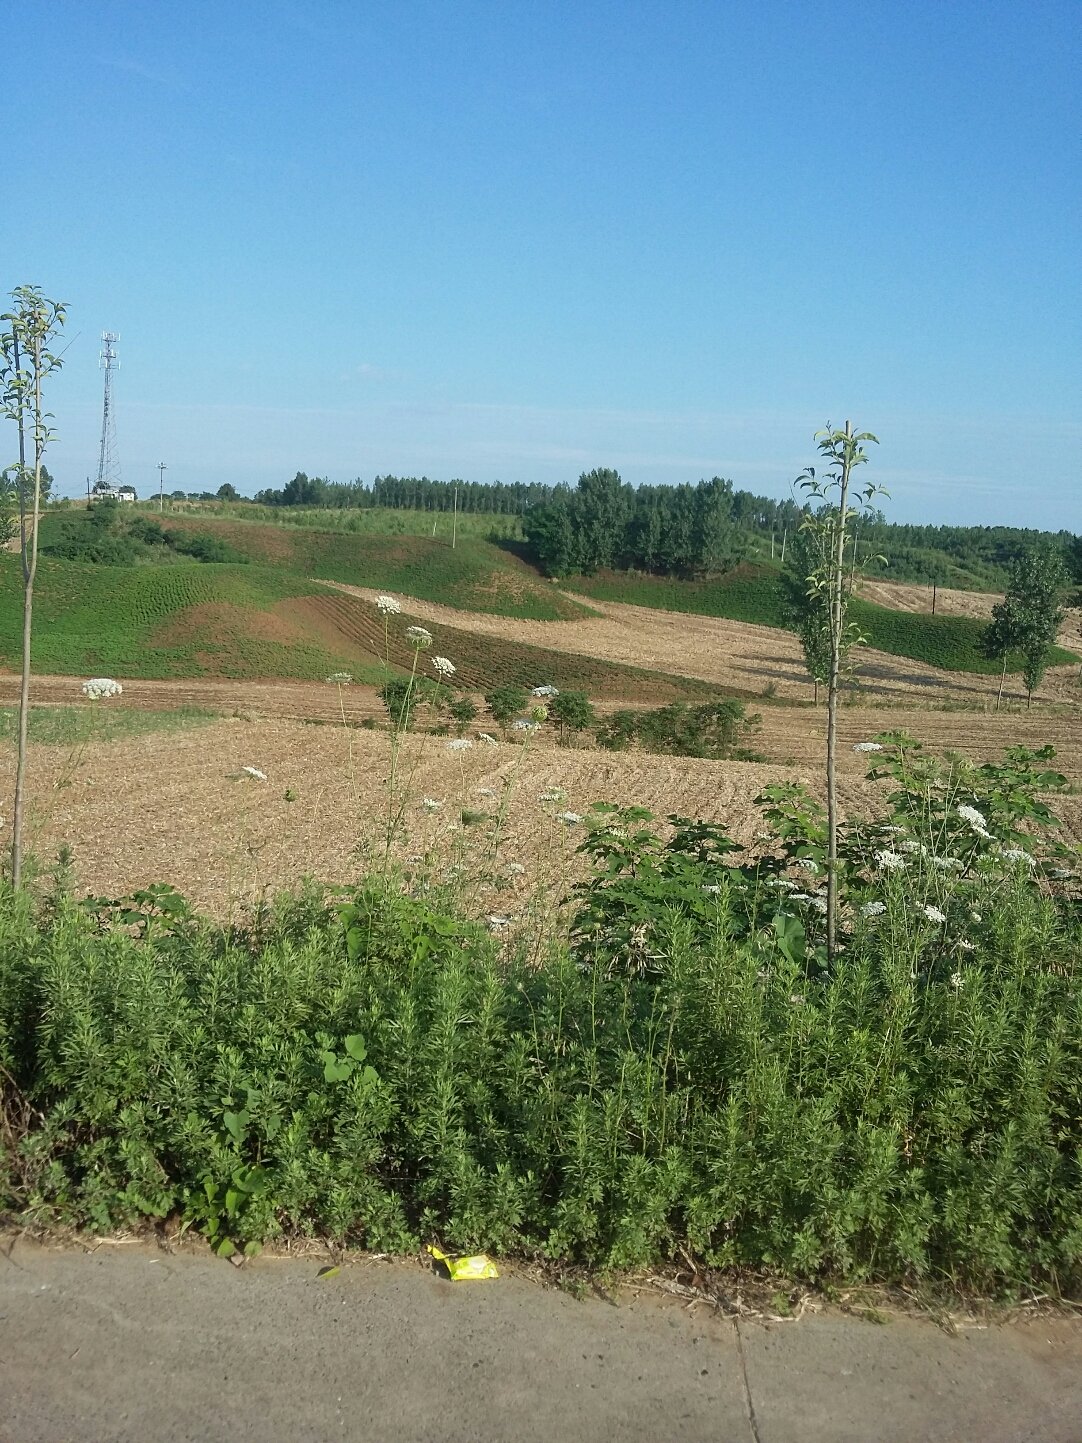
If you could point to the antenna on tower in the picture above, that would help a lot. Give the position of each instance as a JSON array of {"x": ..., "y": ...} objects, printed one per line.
[{"x": 108, "y": 456}]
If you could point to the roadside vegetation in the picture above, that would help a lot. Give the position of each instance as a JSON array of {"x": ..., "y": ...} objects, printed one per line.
[{"x": 684, "y": 1072}]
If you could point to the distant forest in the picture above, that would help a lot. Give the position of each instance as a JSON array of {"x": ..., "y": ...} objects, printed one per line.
[{"x": 603, "y": 523}]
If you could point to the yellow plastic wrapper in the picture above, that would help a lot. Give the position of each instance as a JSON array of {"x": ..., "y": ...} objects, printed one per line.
[{"x": 466, "y": 1270}]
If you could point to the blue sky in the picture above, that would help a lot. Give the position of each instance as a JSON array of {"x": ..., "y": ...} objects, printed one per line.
[{"x": 520, "y": 240}]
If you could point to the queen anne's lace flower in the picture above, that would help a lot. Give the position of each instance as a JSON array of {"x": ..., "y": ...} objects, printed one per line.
[
  {"x": 974, "y": 818},
  {"x": 255, "y": 773},
  {"x": 430, "y": 805},
  {"x": 340, "y": 678},
  {"x": 934, "y": 914},
  {"x": 387, "y": 606},
  {"x": 873, "y": 909},
  {"x": 890, "y": 861},
  {"x": 101, "y": 686},
  {"x": 443, "y": 666},
  {"x": 544, "y": 691},
  {"x": 571, "y": 818},
  {"x": 965, "y": 944},
  {"x": 459, "y": 744},
  {"x": 867, "y": 747},
  {"x": 525, "y": 725},
  {"x": 551, "y": 794},
  {"x": 496, "y": 921},
  {"x": 418, "y": 636},
  {"x": 956, "y": 980},
  {"x": 1016, "y": 854},
  {"x": 488, "y": 739}
]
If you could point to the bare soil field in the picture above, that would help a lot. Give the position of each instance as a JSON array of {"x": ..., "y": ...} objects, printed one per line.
[
  {"x": 178, "y": 806},
  {"x": 730, "y": 654}
]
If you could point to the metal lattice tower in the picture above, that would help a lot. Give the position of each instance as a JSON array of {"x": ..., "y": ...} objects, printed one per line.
[{"x": 108, "y": 457}]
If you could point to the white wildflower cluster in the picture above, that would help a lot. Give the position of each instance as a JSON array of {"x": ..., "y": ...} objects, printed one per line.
[
  {"x": 99, "y": 687},
  {"x": 459, "y": 744},
  {"x": 933, "y": 913},
  {"x": 254, "y": 773},
  {"x": 964, "y": 944},
  {"x": 552, "y": 794},
  {"x": 388, "y": 606},
  {"x": 420, "y": 638},
  {"x": 483, "y": 792},
  {"x": 525, "y": 725},
  {"x": 1017, "y": 854},
  {"x": 808, "y": 863},
  {"x": 711, "y": 889},
  {"x": 956, "y": 980},
  {"x": 443, "y": 666},
  {"x": 890, "y": 861},
  {"x": 948, "y": 864},
  {"x": 497, "y": 922},
  {"x": 975, "y": 819},
  {"x": 812, "y": 901},
  {"x": 430, "y": 805},
  {"x": 873, "y": 909},
  {"x": 340, "y": 678},
  {"x": 488, "y": 739},
  {"x": 571, "y": 818},
  {"x": 867, "y": 747},
  {"x": 544, "y": 691},
  {"x": 783, "y": 884}
]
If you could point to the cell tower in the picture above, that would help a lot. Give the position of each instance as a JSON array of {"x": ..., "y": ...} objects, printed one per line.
[{"x": 108, "y": 457}]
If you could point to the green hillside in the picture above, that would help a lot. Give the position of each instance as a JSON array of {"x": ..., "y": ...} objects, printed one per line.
[
  {"x": 475, "y": 575},
  {"x": 167, "y": 621}
]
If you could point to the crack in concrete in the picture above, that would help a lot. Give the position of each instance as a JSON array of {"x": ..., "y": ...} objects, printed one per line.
[{"x": 753, "y": 1422}]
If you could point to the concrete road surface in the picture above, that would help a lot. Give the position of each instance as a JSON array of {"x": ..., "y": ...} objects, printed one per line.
[{"x": 133, "y": 1344}]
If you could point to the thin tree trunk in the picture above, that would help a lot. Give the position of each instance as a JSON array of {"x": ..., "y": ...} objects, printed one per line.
[
  {"x": 836, "y": 620},
  {"x": 30, "y": 567},
  {"x": 1002, "y": 679}
]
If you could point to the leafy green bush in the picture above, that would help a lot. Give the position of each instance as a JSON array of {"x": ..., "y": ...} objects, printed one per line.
[
  {"x": 715, "y": 729},
  {"x": 572, "y": 712},
  {"x": 506, "y": 702}
]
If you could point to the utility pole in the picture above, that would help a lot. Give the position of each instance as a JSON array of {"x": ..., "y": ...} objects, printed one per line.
[
  {"x": 933, "y": 597},
  {"x": 454, "y": 522},
  {"x": 162, "y": 469}
]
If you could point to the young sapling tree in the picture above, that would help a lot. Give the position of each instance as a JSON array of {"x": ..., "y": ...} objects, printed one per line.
[
  {"x": 25, "y": 361},
  {"x": 829, "y": 535}
]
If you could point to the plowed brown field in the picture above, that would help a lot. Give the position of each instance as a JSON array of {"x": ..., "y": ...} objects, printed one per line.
[{"x": 176, "y": 806}]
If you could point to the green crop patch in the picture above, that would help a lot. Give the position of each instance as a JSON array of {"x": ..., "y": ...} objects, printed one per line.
[
  {"x": 747, "y": 593},
  {"x": 194, "y": 619},
  {"x": 951, "y": 643}
]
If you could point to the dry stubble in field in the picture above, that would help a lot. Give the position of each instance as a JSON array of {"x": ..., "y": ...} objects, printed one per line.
[{"x": 178, "y": 807}]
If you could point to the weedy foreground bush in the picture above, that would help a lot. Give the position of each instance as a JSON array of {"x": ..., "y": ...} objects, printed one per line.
[{"x": 685, "y": 1072}]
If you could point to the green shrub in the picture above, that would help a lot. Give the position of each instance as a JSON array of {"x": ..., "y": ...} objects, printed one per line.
[
  {"x": 715, "y": 729},
  {"x": 506, "y": 702}
]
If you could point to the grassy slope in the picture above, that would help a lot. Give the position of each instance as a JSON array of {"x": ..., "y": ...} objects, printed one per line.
[
  {"x": 753, "y": 594},
  {"x": 474, "y": 576},
  {"x": 168, "y": 621}
]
